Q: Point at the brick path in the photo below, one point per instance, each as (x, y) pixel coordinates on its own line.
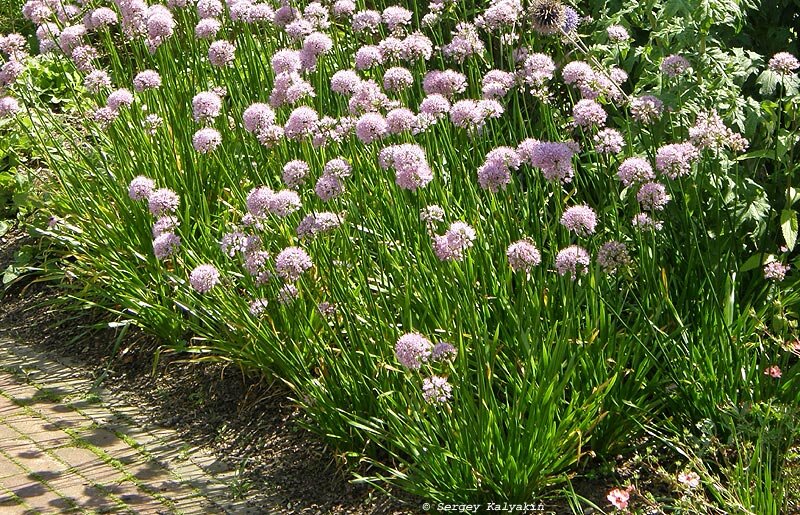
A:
(65, 448)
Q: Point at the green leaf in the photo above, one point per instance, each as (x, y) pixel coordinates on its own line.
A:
(768, 80)
(789, 227)
(755, 261)
(4, 227)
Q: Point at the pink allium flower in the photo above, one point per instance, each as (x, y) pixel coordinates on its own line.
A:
(96, 81)
(619, 498)
(317, 44)
(284, 15)
(588, 113)
(609, 141)
(206, 106)
(140, 188)
(288, 293)
(119, 98)
(206, 140)
(8, 107)
(318, 222)
(258, 307)
(283, 203)
(500, 16)
(294, 173)
(148, 79)
(233, 243)
(576, 72)
(299, 29)
(617, 34)
(203, 278)
(164, 224)
(436, 390)
(435, 105)
(783, 63)
(367, 57)
(258, 117)
(371, 127)
(328, 187)
(397, 79)
(255, 263)
(105, 116)
(674, 65)
(495, 173)
(646, 109)
(160, 23)
(366, 21)
(70, 38)
(538, 69)
(465, 43)
(209, 8)
(345, 82)
(163, 201)
(337, 167)
(523, 256)
(254, 13)
(644, 221)
(709, 131)
(415, 47)
(652, 196)
(446, 83)
(83, 56)
(452, 245)
(301, 123)
(690, 479)
(396, 17)
(207, 28)
(554, 159)
(443, 351)
(286, 61)
(292, 262)
(775, 271)
(497, 83)
(573, 260)
(409, 163)
(36, 11)
(344, 8)
(580, 219)
(612, 256)
(675, 160)
(431, 214)
(221, 53)
(165, 245)
(412, 349)
(635, 170)
(400, 120)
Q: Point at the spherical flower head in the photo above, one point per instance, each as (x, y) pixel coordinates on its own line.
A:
(497, 83)
(617, 34)
(612, 256)
(495, 173)
(96, 81)
(286, 61)
(294, 173)
(366, 21)
(301, 123)
(258, 200)
(140, 188)
(119, 98)
(221, 53)
(206, 140)
(652, 196)
(775, 271)
(460, 236)
(318, 222)
(203, 278)
(553, 158)
(160, 23)
(444, 82)
(609, 141)
(580, 219)
(148, 79)
(258, 117)
(547, 16)
(465, 114)
(70, 38)
(337, 167)
(412, 349)
(345, 82)
(258, 307)
(396, 17)
(773, 371)
(8, 107)
(165, 224)
(344, 8)
(209, 8)
(371, 127)
(523, 256)
(588, 113)
(436, 390)
(255, 263)
(619, 498)
(674, 65)
(397, 79)
(400, 120)
(571, 20)
(646, 109)
(232, 243)
(435, 105)
(675, 160)
(416, 47)
(317, 43)
(368, 56)
(573, 260)
(206, 106)
(165, 245)
(690, 479)
(207, 28)
(577, 72)
(328, 187)
(292, 262)
(431, 214)
(163, 201)
(105, 116)
(635, 170)
(443, 351)
(783, 63)
(283, 203)
(644, 221)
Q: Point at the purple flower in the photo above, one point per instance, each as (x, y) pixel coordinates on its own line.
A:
(368, 56)
(580, 219)
(612, 256)
(635, 170)
(209, 8)
(221, 53)
(258, 307)
(284, 202)
(646, 109)
(588, 113)
(446, 83)
(435, 105)
(160, 24)
(652, 196)
(709, 131)
(148, 79)
(206, 140)
(609, 141)
(337, 167)
(465, 43)
(301, 123)
(775, 271)
(8, 107)
(571, 20)
(452, 245)
(292, 262)
(163, 201)
(119, 98)
(577, 72)
(443, 351)
(294, 173)
(206, 106)
(344, 8)
(675, 160)
(396, 17)
(617, 34)
(416, 46)
(436, 390)
(523, 255)
(554, 159)
(412, 349)
(288, 293)
(345, 82)
(165, 224)
(573, 260)
(96, 81)
(371, 127)
(258, 117)
(783, 63)
(328, 187)
(233, 243)
(140, 188)
(409, 163)
(431, 214)
(400, 120)
(366, 21)
(207, 28)
(644, 221)
(674, 65)
(203, 278)
(318, 222)
(397, 79)
(165, 245)
(258, 200)
(495, 173)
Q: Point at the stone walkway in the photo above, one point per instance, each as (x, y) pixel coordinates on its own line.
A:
(68, 448)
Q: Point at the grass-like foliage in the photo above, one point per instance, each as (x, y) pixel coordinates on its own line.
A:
(487, 244)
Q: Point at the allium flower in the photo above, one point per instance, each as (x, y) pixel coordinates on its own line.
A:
(609, 141)
(327, 309)
(635, 170)
(412, 349)
(36, 11)
(396, 17)
(646, 109)
(345, 82)
(452, 245)
(337, 167)
(495, 173)
(8, 107)
(523, 256)
(577, 72)
(70, 38)
(619, 498)
(206, 106)
(316, 44)
(344, 8)
(444, 82)
(690, 479)
(644, 221)
(775, 271)
(612, 256)
(368, 56)
(328, 187)
(96, 81)
(783, 63)
(286, 61)
(258, 200)
(652, 196)
(497, 83)
(163, 201)
(284, 202)
(288, 293)
(400, 120)
(165, 245)
(318, 222)
(409, 163)
(547, 16)
(709, 131)
(145, 80)
(443, 351)
(119, 98)
(209, 8)
(554, 159)
(258, 117)
(232, 243)
(436, 390)
(164, 224)
(203, 278)
(588, 113)
(258, 307)
(160, 23)
(500, 16)
(301, 123)
(371, 127)
(105, 116)
(206, 140)
(573, 260)
(83, 57)
(617, 34)
(675, 160)
(140, 188)
(292, 262)
(431, 214)
(580, 219)
(571, 20)
(221, 53)
(674, 65)
(435, 105)
(465, 43)
(397, 79)
(366, 21)
(416, 46)
(207, 28)
(294, 173)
